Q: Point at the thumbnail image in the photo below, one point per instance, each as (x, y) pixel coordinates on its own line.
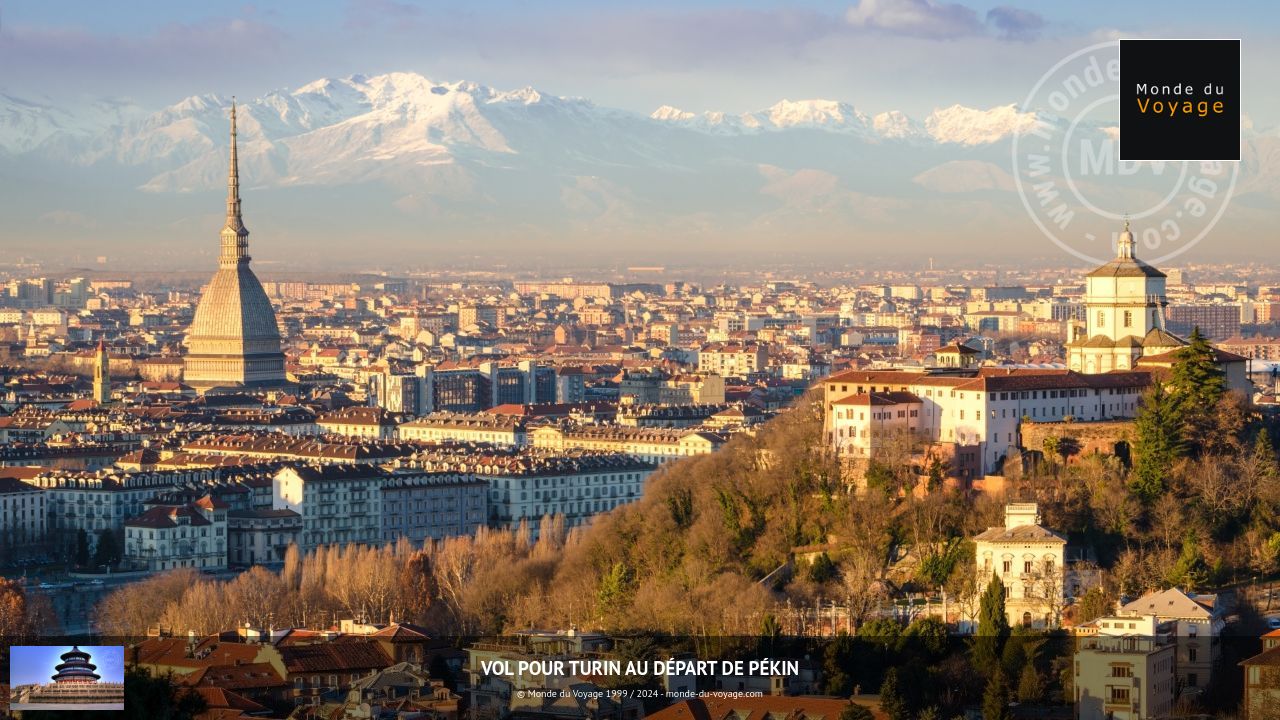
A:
(52, 677)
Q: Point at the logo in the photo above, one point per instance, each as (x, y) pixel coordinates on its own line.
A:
(1071, 180)
(1180, 99)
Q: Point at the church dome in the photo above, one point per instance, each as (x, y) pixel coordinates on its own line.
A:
(1125, 263)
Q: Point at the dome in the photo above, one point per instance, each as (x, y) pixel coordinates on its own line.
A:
(234, 309)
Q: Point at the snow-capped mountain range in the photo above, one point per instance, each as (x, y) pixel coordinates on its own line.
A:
(357, 128)
(441, 160)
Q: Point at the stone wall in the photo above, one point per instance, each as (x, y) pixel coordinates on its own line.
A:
(1111, 437)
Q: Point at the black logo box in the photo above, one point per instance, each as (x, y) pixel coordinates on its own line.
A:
(1187, 68)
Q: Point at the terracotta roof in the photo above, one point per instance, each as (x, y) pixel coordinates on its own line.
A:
(172, 652)
(326, 657)
(880, 398)
(218, 698)
(245, 676)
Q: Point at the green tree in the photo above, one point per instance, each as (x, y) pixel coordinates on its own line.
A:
(148, 697)
(1190, 571)
(836, 659)
(1195, 376)
(1095, 603)
(108, 551)
(1030, 687)
(822, 570)
(615, 588)
(893, 699)
(1051, 446)
(82, 548)
(1198, 384)
(937, 472)
(854, 711)
(1159, 427)
(993, 626)
(995, 699)
(927, 635)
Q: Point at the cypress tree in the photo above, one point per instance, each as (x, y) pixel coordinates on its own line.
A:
(995, 700)
(1160, 443)
(993, 626)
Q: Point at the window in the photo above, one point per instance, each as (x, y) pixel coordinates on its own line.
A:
(1119, 694)
(1008, 565)
(1102, 317)
(1122, 671)
(1128, 318)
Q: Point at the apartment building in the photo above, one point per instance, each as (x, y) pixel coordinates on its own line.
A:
(1126, 670)
(649, 444)
(423, 506)
(576, 486)
(178, 534)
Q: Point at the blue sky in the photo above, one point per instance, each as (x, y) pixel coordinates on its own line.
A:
(910, 55)
(33, 664)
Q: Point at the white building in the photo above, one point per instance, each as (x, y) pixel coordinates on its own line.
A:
(1197, 623)
(974, 413)
(339, 504)
(507, 430)
(732, 359)
(260, 535)
(655, 445)
(22, 514)
(359, 422)
(578, 486)
(172, 536)
(1125, 671)
(1028, 559)
(424, 506)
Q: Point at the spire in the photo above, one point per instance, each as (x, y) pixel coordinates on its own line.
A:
(1124, 246)
(235, 236)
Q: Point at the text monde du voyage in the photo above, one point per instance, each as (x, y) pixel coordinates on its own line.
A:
(1179, 99)
(643, 668)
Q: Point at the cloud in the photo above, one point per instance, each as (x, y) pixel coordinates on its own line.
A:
(917, 18)
(1013, 23)
(365, 14)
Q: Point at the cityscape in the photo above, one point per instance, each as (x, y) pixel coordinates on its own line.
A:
(495, 476)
